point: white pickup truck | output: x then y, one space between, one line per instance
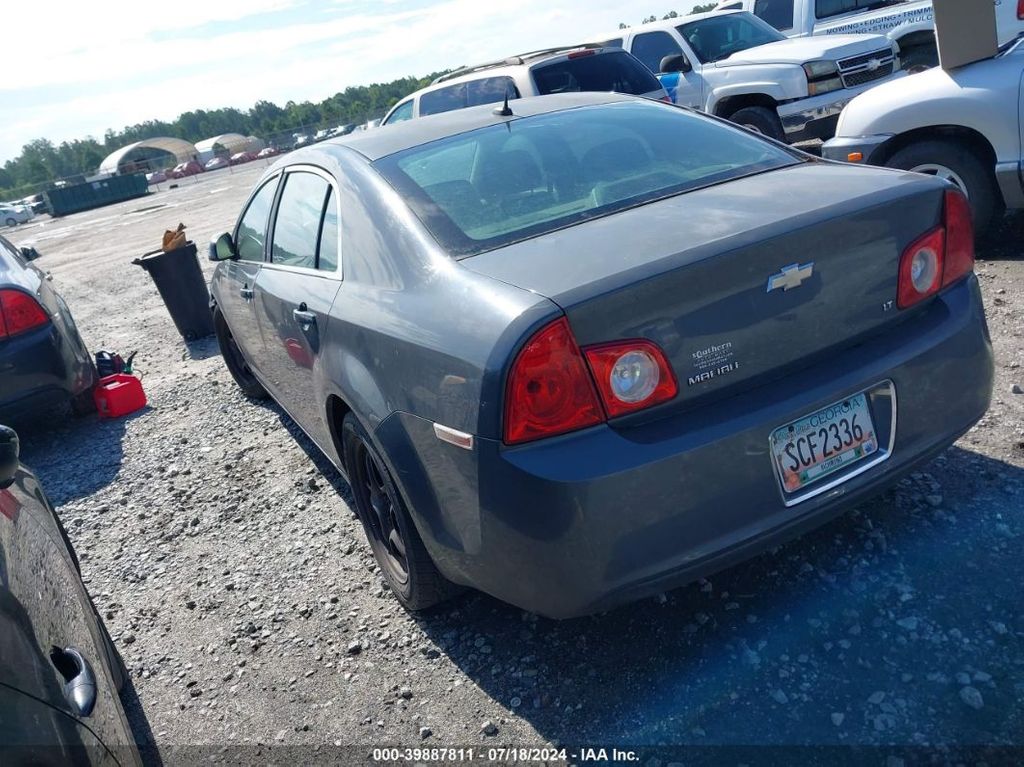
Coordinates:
736 66
909 23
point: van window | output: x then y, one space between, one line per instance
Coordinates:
486 90
402 112
614 70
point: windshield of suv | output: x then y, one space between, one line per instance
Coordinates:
519 179
588 70
719 37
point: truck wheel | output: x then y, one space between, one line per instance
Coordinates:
918 58
958 165
394 540
760 120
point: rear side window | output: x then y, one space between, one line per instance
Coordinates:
591 71
652 47
327 258
487 90
823 9
252 228
297 226
778 13
505 183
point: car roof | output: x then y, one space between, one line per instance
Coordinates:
389 139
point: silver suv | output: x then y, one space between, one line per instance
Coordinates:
556 70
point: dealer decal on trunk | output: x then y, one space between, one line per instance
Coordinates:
712 362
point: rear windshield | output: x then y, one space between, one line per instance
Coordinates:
486 90
716 38
590 71
520 179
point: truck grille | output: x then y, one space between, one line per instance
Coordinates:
867 67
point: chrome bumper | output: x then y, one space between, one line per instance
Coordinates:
798 116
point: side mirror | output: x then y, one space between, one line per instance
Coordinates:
29 254
676 62
10 449
223 248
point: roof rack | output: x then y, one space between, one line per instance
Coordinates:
522 58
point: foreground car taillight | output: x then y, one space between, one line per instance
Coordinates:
631 375
940 257
549 388
19 312
1020 9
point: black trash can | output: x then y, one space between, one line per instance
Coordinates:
180 280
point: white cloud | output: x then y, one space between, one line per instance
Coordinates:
137 61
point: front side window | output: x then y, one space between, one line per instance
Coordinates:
778 13
252 228
652 47
599 72
297 226
402 112
505 183
716 38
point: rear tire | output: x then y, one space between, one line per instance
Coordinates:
234 360
83 404
960 166
11 222
394 540
760 120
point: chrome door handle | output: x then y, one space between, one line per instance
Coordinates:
79 681
246 293
303 317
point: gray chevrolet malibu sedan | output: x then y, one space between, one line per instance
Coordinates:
600 346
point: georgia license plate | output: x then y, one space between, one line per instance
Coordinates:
823 443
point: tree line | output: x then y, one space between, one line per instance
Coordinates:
42 161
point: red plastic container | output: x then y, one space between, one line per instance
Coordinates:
119 394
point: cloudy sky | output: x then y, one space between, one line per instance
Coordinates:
75 68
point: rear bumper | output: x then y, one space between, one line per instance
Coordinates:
42 369
586 521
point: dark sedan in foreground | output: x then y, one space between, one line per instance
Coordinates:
43 360
600 346
59 672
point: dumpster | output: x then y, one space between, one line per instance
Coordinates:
94 194
182 286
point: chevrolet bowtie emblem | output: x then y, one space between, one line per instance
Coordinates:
791 276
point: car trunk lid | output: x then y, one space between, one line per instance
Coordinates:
692 273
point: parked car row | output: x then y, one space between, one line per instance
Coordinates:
13 214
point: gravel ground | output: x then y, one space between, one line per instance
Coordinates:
221 549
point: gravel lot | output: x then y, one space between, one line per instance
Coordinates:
220 547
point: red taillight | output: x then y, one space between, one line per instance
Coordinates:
1020 9
939 258
580 54
668 100
631 375
549 388
959 237
19 312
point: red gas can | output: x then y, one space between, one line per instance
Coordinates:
119 394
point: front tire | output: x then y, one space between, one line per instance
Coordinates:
396 544
234 360
760 120
960 166
11 222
